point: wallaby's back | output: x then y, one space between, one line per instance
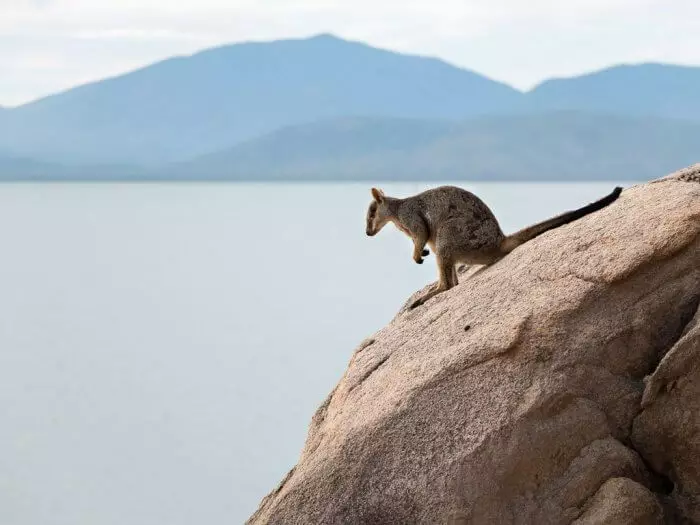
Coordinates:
445 203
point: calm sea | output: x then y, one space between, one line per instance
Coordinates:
163 346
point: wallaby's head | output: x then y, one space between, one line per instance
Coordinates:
378 213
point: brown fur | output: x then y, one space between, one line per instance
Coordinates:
458 227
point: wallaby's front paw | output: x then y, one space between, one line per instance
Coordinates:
425 253
419 260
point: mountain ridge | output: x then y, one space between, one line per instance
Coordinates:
651 88
560 145
180 110
182 107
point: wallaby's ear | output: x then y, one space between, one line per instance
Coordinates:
378 195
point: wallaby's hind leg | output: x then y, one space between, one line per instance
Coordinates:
448 279
446 269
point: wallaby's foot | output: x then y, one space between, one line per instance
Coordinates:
416 304
435 290
421 300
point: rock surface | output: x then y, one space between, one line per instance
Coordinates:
560 385
623 502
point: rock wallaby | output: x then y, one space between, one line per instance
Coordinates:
458 227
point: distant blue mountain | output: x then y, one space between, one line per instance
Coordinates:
14 168
292 107
640 90
550 147
559 146
187 106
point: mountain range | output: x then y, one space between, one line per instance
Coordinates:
546 147
324 108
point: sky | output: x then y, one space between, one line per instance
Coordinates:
51 45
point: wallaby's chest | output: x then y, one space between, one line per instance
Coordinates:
403 229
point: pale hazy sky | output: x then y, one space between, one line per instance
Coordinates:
50 45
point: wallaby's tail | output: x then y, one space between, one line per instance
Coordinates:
513 241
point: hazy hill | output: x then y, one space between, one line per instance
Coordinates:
555 147
18 168
338 144
190 105
14 168
327 108
558 146
640 90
